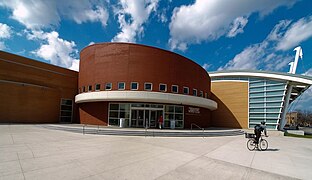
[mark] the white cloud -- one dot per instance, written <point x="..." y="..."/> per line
<point x="91" y="43"/>
<point x="2" y="46"/>
<point x="297" y="33"/>
<point x="206" y="66"/>
<point x="262" y="55"/>
<point x="131" y="17"/>
<point x="58" y="51"/>
<point x="5" y="31"/>
<point x="237" y="26"/>
<point x="208" y="20"/>
<point x="44" y="14"/>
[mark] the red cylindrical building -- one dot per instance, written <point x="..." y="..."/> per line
<point x="131" y="85"/>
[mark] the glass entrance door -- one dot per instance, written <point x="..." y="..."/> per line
<point x="137" y="118"/>
<point x="145" y="118"/>
<point x="153" y="119"/>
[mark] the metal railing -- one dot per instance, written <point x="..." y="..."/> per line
<point x="199" y="128"/>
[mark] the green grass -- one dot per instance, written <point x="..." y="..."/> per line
<point x="295" y="135"/>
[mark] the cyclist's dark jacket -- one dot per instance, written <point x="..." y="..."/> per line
<point x="260" y="128"/>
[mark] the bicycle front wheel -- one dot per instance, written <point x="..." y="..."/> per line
<point x="263" y="145"/>
<point x="251" y="145"/>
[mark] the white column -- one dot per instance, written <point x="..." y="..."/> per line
<point x="283" y="118"/>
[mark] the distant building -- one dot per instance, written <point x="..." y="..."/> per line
<point x="292" y="118"/>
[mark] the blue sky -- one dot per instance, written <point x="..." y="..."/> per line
<point x="217" y="34"/>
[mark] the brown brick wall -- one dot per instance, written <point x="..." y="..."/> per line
<point x="31" y="91"/>
<point x="202" y="119"/>
<point x="95" y="113"/>
<point x="232" y="99"/>
<point x="123" y="62"/>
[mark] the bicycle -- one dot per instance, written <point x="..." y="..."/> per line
<point x="251" y="143"/>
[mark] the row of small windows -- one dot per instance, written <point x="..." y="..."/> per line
<point x="147" y="87"/>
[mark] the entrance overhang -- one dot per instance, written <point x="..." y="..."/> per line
<point x="143" y="96"/>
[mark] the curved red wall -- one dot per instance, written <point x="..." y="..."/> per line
<point x="124" y="62"/>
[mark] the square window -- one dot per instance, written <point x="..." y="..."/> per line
<point x="194" y="92"/>
<point x="148" y="86"/>
<point x="121" y="86"/>
<point x="97" y="87"/>
<point x="134" y="86"/>
<point x="90" y="88"/>
<point x="185" y="90"/>
<point x="163" y="87"/>
<point x="201" y="94"/>
<point x="108" y="86"/>
<point x="174" y="89"/>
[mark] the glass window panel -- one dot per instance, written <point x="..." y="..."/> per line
<point x="256" y="89"/>
<point x="268" y="104"/>
<point x="274" y="93"/>
<point x="137" y="105"/>
<point x="166" y="124"/>
<point x="148" y="86"/>
<point x="113" y="114"/>
<point x="194" y="92"/>
<point x="66" y="108"/>
<point x="108" y="86"/>
<point x="113" y="122"/>
<point x="90" y="88"/>
<point x="185" y="90"/>
<point x="169" y="108"/>
<point x="178" y="109"/>
<point x="66" y="113"/>
<point x="134" y="86"/>
<point x="257" y="104"/>
<point x="163" y="87"/>
<point x="114" y="106"/>
<point x="256" y="110"/>
<point x="271" y="121"/>
<point x="273" y="110"/>
<point x="179" y="124"/>
<point x="178" y="116"/>
<point x="121" y="86"/>
<point x="174" y="89"/>
<point x="258" y="83"/>
<point x="278" y="87"/>
<point x="269" y="126"/>
<point x="67" y="102"/>
<point x="97" y="87"/>
<point x="274" y="98"/>
<point x="259" y="99"/>
<point x="124" y="107"/>
<point x="274" y="82"/>
<point x="256" y="115"/>
<point x="272" y="115"/>
<point x="258" y="94"/>
<point x="65" y="119"/>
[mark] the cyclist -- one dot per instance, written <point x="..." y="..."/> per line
<point x="258" y="129"/>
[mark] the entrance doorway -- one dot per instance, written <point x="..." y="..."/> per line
<point x="145" y="117"/>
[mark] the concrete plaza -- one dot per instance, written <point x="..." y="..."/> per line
<point x="33" y="152"/>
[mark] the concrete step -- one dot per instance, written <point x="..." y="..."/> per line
<point x="144" y="132"/>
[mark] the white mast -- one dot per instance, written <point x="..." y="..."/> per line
<point x="298" y="53"/>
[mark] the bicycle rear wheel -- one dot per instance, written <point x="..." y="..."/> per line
<point x="263" y="144"/>
<point x="251" y="145"/>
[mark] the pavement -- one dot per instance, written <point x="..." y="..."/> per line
<point x="34" y="152"/>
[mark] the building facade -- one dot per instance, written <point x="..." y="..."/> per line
<point x="267" y="96"/>
<point x="132" y="85"/>
<point x="36" y="92"/>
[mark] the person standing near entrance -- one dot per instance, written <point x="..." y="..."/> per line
<point x="160" y="121"/>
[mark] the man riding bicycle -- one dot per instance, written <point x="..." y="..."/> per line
<point x="258" y="129"/>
